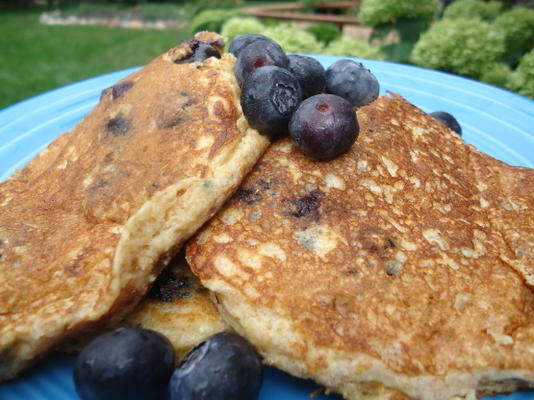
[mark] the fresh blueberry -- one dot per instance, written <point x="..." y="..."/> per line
<point x="224" y="367"/>
<point x="448" y="120"/>
<point x="269" y="97"/>
<point x="128" y="363"/>
<point x="201" y="51"/>
<point x="241" y="41"/>
<point x="324" y="126"/>
<point x="258" y="54"/>
<point x="352" y="81"/>
<point x="309" y="72"/>
<point x="119" y="125"/>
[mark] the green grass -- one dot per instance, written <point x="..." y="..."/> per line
<point x="35" y="58"/>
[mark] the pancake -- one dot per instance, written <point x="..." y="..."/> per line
<point x="401" y="269"/>
<point x="87" y="226"/>
<point x="180" y="308"/>
<point x="177" y="306"/>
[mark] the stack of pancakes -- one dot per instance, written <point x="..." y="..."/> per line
<point x="401" y="269"/>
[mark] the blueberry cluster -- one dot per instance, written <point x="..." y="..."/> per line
<point x="294" y="94"/>
<point x="138" y="364"/>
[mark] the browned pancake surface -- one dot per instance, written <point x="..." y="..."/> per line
<point x="83" y="226"/>
<point x="179" y="307"/>
<point x="410" y="257"/>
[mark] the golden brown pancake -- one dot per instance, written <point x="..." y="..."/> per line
<point x="401" y="269"/>
<point x="177" y="306"/>
<point x="86" y="227"/>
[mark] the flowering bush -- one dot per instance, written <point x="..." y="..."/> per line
<point x="496" y="73"/>
<point x="522" y="79"/>
<point x="375" y="12"/>
<point x="517" y="26"/>
<point x="324" y="31"/>
<point x="467" y="9"/>
<point x="292" y="39"/>
<point x="238" y="26"/>
<point x="348" y="46"/>
<point x="211" y="20"/>
<point x="461" y="46"/>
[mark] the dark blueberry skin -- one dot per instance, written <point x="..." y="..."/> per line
<point x="120" y="88"/>
<point x="118" y="126"/>
<point x="448" y="120"/>
<point x="350" y="80"/>
<point x="309" y="72"/>
<point x="241" y="41"/>
<point x="259" y="54"/>
<point x="128" y="363"/>
<point x="224" y="367"/>
<point x="201" y="51"/>
<point x="269" y="97"/>
<point x="324" y="126"/>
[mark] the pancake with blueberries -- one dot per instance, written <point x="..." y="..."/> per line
<point x="403" y="268"/>
<point x="179" y="307"/>
<point x="87" y="226"/>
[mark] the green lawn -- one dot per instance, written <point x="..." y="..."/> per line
<point x="35" y="58"/>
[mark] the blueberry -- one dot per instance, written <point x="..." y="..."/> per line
<point x="324" y="126"/>
<point x="201" y="51"/>
<point x="269" y="97"/>
<point x="128" y="363"/>
<point x="448" y="120"/>
<point x="258" y="54"/>
<point x="241" y="41"/>
<point x="118" y="126"/>
<point x="309" y="72"/>
<point x="353" y="82"/>
<point x="224" y="367"/>
<point x="120" y="88"/>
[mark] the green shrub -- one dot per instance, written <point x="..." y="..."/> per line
<point x="467" y="9"/>
<point x="496" y="73"/>
<point x="271" y="22"/>
<point x="348" y="46"/>
<point x="211" y="20"/>
<point x="238" y="26"/>
<point x="324" y="31"/>
<point x="376" y="12"/>
<point x="522" y="79"/>
<point x="517" y="25"/>
<point x="460" y="46"/>
<point x="292" y="39"/>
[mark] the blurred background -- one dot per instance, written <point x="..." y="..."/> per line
<point x="45" y="44"/>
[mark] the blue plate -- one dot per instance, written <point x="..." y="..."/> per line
<point x="494" y="120"/>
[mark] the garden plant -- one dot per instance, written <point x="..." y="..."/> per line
<point x="491" y="41"/>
